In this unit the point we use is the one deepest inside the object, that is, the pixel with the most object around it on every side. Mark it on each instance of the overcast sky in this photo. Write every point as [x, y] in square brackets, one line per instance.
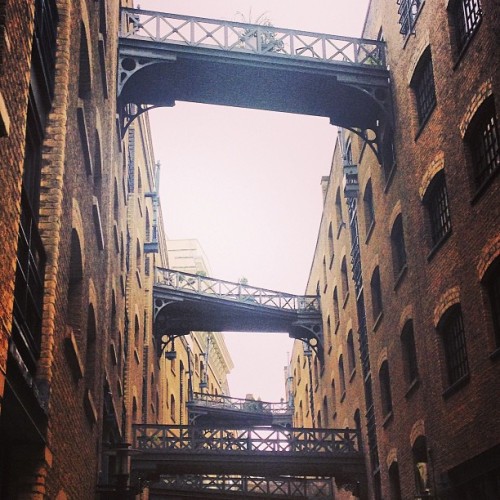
[246, 183]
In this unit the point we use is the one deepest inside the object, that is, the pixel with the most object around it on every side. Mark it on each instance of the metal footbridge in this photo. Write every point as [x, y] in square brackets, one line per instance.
[164, 58]
[214, 409]
[186, 302]
[161, 454]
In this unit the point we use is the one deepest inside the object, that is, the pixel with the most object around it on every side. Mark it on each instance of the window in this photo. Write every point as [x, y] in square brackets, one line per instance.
[330, 242]
[452, 332]
[409, 353]
[483, 142]
[422, 85]
[385, 388]
[172, 407]
[421, 466]
[408, 12]
[75, 286]
[368, 206]
[345, 279]
[351, 354]
[467, 16]
[436, 204]
[325, 411]
[90, 352]
[492, 284]
[376, 294]
[338, 211]
[341, 377]
[336, 309]
[398, 246]
[394, 482]
[136, 331]
[325, 275]
[334, 398]
[85, 74]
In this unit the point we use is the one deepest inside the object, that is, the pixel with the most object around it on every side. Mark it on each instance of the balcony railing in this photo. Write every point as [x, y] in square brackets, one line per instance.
[239, 404]
[296, 487]
[28, 294]
[177, 438]
[232, 36]
[235, 291]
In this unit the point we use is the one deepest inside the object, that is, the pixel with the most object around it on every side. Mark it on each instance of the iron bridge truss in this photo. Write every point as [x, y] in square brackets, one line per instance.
[185, 302]
[214, 407]
[253, 486]
[147, 38]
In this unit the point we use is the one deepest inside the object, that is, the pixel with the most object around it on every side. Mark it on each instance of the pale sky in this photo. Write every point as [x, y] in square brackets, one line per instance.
[246, 183]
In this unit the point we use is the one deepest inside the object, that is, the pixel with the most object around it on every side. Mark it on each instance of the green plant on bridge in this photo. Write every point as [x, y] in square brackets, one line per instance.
[252, 36]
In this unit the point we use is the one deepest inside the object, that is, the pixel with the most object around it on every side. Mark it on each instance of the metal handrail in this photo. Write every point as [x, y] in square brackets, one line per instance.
[253, 440]
[239, 404]
[239, 292]
[301, 487]
[261, 39]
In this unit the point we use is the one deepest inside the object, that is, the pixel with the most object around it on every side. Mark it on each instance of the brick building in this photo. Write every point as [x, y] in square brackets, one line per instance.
[407, 263]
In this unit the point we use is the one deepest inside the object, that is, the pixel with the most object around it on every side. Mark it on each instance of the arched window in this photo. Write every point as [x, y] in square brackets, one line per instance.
[85, 75]
[336, 308]
[75, 286]
[369, 209]
[342, 377]
[466, 17]
[137, 332]
[409, 353]
[325, 411]
[345, 279]
[338, 211]
[138, 255]
[330, 243]
[421, 466]
[376, 293]
[491, 282]
[90, 353]
[394, 482]
[423, 88]
[438, 209]
[398, 247]
[334, 398]
[451, 328]
[172, 407]
[351, 355]
[385, 388]
[483, 141]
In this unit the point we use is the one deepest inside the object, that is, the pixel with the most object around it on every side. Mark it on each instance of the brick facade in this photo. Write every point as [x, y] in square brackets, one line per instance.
[447, 431]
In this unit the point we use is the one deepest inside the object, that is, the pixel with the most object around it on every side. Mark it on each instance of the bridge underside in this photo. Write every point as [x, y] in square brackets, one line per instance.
[179, 313]
[151, 465]
[159, 74]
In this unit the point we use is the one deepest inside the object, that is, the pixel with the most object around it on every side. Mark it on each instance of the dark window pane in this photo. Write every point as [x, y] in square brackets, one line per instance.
[423, 87]
[453, 335]
[483, 141]
[467, 16]
[408, 10]
[436, 202]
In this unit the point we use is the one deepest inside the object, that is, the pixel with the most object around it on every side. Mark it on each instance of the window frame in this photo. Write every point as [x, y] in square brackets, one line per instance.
[423, 86]
[398, 247]
[484, 120]
[464, 27]
[437, 206]
[453, 339]
[409, 11]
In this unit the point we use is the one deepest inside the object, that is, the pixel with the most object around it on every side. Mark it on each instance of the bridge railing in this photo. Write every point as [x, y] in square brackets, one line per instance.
[250, 38]
[301, 487]
[235, 291]
[240, 404]
[177, 438]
